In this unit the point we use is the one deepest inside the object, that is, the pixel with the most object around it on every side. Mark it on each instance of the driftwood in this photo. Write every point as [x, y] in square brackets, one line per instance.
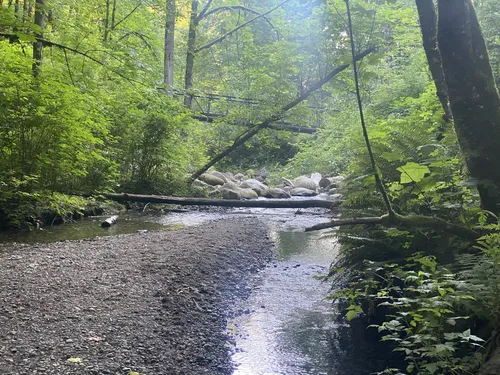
[268, 203]
[277, 116]
[109, 221]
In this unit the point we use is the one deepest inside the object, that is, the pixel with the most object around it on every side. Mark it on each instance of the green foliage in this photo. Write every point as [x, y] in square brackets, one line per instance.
[422, 315]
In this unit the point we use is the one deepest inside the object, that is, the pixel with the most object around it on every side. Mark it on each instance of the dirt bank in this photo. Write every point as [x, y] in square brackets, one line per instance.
[152, 303]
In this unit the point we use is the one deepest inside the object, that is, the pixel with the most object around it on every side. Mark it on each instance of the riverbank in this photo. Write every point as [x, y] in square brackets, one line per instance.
[152, 303]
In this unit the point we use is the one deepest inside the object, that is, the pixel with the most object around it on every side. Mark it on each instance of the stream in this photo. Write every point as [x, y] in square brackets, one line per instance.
[285, 327]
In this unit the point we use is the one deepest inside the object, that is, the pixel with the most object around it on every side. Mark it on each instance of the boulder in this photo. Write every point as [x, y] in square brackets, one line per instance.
[255, 185]
[230, 177]
[248, 194]
[229, 193]
[336, 181]
[305, 182]
[275, 193]
[211, 179]
[302, 192]
[231, 185]
[324, 183]
[316, 177]
[220, 175]
[239, 177]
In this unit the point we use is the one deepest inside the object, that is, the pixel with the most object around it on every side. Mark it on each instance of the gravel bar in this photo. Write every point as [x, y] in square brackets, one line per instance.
[151, 303]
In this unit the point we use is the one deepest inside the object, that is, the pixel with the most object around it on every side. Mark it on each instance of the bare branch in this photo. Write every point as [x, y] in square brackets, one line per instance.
[204, 10]
[127, 16]
[238, 7]
[228, 34]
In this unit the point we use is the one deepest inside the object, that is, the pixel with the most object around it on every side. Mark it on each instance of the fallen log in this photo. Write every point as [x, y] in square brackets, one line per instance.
[109, 221]
[268, 203]
[408, 222]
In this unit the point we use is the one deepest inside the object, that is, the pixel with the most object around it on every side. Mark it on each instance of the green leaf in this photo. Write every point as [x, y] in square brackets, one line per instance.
[74, 360]
[351, 315]
[413, 172]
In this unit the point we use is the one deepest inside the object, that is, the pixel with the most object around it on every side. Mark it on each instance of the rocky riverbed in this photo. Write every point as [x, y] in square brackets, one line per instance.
[147, 303]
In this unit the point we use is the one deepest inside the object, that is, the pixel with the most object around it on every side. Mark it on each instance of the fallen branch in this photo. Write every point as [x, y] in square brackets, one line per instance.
[409, 222]
[252, 131]
[268, 203]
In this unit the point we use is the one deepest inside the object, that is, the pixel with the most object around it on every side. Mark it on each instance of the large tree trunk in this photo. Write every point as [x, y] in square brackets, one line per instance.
[428, 25]
[168, 59]
[474, 98]
[188, 79]
[38, 45]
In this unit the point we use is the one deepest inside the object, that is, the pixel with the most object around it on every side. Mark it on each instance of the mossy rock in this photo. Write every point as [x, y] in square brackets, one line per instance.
[211, 179]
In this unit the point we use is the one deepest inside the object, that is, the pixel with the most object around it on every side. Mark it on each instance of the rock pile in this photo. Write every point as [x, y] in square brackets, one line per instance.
[227, 185]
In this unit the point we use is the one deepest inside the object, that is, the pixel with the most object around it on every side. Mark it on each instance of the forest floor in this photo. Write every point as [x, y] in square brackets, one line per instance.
[153, 303]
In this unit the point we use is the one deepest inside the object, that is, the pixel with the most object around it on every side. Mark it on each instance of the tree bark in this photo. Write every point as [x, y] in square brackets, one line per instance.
[474, 98]
[268, 203]
[168, 59]
[188, 79]
[38, 45]
[428, 26]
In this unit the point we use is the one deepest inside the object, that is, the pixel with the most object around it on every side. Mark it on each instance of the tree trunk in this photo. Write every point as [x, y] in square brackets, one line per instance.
[428, 25]
[474, 98]
[38, 45]
[106, 22]
[268, 203]
[168, 60]
[188, 79]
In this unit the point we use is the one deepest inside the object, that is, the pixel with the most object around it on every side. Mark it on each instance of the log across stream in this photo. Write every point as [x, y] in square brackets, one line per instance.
[263, 203]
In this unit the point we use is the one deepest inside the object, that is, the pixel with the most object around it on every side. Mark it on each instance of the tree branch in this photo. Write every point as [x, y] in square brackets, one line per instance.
[228, 34]
[127, 16]
[237, 7]
[204, 10]
[408, 222]
[15, 38]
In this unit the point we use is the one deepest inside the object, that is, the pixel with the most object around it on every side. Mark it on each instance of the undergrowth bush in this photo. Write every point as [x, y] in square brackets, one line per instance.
[424, 314]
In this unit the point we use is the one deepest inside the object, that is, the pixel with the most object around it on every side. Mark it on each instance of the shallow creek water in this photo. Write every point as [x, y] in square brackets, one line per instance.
[285, 327]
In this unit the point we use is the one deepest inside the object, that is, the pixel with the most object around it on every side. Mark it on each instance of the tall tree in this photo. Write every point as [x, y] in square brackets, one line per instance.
[428, 25]
[474, 97]
[188, 78]
[168, 59]
[38, 45]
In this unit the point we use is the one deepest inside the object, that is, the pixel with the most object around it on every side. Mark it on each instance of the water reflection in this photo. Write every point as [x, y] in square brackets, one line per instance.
[291, 329]
[81, 229]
